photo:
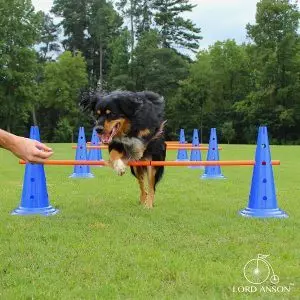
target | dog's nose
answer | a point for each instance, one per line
(99, 129)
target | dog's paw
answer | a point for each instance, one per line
(119, 167)
(148, 205)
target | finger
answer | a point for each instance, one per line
(42, 154)
(43, 147)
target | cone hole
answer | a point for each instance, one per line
(81, 137)
(80, 147)
(31, 197)
(263, 163)
(32, 179)
(264, 180)
(263, 146)
(213, 138)
(214, 148)
(265, 198)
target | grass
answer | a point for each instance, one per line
(103, 245)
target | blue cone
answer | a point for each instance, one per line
(213, 172)
(81, 154)
(195, 153)
(95, 154)
(182, 153)
(262, 198)
(34, 195)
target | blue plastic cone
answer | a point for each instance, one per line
(34, 195)
(213, 172)
(182, 154)
(195, 153)
(262, 198)
(95, 154)
(81, 154)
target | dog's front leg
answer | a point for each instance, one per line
(151, 171)
(116, 162)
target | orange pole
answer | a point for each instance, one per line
(178, 147)
(168, 147)
(170, 143)
(93, 147)
(156, 163)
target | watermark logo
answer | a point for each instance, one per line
(258, 270)
(261, 277)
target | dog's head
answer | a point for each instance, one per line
(113, 112)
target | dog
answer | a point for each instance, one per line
(132, 124)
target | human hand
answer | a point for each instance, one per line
(30, 150)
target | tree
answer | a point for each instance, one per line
(155, 68)
(128, 9)
(49, 37)
(90, 26)
(227, 131)
(74, 20)
(176, 32)
(191, 101)
(276, 39)
(104, 25)
(19, 31)
(119, 75)
(61, 87)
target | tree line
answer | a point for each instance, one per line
(149, 45)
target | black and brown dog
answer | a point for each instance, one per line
(131, 123)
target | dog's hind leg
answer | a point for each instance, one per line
(139, 173)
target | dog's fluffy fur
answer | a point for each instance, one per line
(131, 123)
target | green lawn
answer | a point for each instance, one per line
(104, 245)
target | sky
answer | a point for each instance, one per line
(218, 19)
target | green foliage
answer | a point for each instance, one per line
(119, 69)
(90, 27)
(227, 131)
(156, 68)
(49, 37)
(63, 131)
(63, 81)
(229, 86)
(19, 30)
(176, 31)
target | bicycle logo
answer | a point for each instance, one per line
(258, 270)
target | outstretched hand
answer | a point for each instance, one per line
(30, 150)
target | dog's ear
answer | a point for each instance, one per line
(130, 103)
(88, 100)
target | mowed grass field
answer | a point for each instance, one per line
(104, 245)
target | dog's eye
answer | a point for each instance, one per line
(108, 112)
(98, 112)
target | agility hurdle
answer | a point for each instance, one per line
(262, 198)
(157, 163)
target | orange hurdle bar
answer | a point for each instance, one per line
(183, 147)
(156, 163)
(171, 143)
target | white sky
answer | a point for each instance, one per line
(218, 19)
